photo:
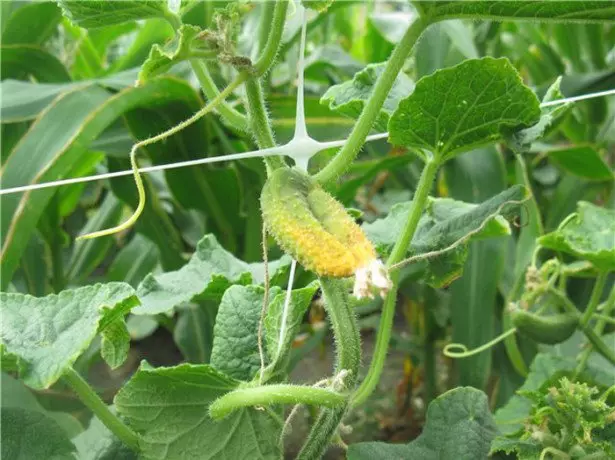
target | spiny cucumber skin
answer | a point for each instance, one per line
(549, 330)
(290, 218)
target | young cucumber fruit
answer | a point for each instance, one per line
(549, 330)
(313, 227)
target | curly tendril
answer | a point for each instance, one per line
(449, 352)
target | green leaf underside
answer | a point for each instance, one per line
(100, 13)
(235, 348)
(561, 11)
(350, 97)
(459, 108)
(588, 234)
(520, 141)
(161, 58)
(115, 343)
(48, 334)
(459, 426)
(28, 435)
(300, 300)
(444, 222)
(210, 271)
(169, 408)
(98, 443)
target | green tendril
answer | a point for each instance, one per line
(465, 353)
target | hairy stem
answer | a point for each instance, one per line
(259, 123)
(89, 397)
(388, 310)
(349, 151)
(348, 345)
(267, 395)
(231, 116)
(270, 51)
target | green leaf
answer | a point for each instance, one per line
(444, 223)
(115, 343)
(134, 261)
(194, 331)
(560, 11)
(101, 13)
(350, 97)
(161, 59)
(168, 407)
(30, 434)
(98, 443)
(459, 108)
(24, 100)
(210, 271)
(459, 426)
(16, 395)
(588, 234)
(88, 254)
(49, 333)
(23, 62)
(31, 24)
(521, 140)
(235, 349)
(582, 161)
(52, 148)
(280, 329)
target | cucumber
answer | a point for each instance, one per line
(313, 227)
(549, 330)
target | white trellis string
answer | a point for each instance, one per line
(301, 145)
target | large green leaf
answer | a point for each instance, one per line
(22, 62)
(350, 97)
(31, 24)
(210, 271)
(445, 222)
(101, 13)
(24, 100)
(47, 334)
(98, 443)
(52, 148)
(282, 327)
(459, 426)
(168, 407)
(235, 351)
(588, 234)
(134, 261)
(462, 107)
(561, 11)
(30, 434)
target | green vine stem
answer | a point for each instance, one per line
(267, 395)
(234, 119)
(259, 123)
(348, 346)
(388, 310)
(338, 165)
(93, 402)
(594, 300)
(595, 335)
(270, 51)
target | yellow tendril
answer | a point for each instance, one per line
(144, 143)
